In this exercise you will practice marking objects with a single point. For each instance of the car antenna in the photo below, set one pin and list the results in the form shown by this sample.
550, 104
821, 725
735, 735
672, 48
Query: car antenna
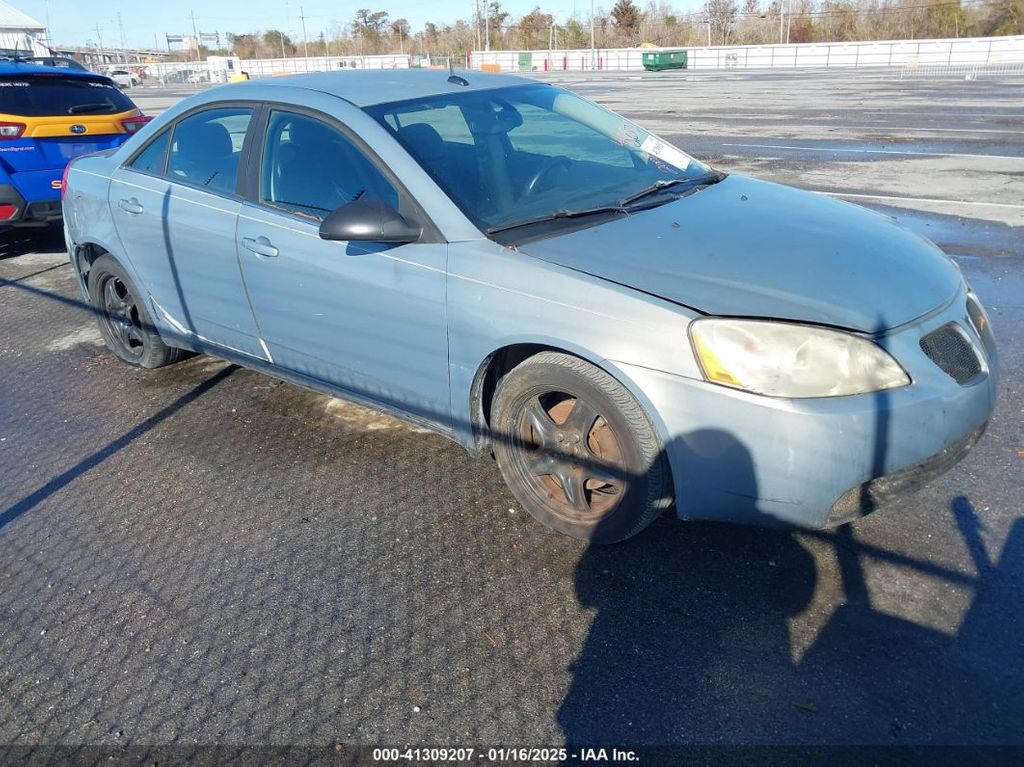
453, 78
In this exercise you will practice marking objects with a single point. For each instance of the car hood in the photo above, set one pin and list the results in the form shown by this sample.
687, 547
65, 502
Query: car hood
751, 248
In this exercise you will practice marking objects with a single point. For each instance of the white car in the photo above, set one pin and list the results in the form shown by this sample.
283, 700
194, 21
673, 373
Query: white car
123, 78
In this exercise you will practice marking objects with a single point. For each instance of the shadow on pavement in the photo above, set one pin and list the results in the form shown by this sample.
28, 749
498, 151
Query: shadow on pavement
690, 643
94, 459
19, 241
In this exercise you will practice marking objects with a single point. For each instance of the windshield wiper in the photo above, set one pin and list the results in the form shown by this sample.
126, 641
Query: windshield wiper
557, 216
621, 207
80, 108
694, 183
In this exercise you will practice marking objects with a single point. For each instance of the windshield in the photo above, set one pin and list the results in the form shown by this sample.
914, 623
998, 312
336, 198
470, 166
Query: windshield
45, 95
515, 155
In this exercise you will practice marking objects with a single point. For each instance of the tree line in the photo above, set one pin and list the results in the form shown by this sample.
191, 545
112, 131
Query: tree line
722, 22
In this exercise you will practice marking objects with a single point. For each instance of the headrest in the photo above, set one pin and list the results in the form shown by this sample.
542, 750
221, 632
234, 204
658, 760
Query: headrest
310, 134
203, 140
422, 140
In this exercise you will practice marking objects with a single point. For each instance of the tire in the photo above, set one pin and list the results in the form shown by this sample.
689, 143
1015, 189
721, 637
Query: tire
595, 473
123, 318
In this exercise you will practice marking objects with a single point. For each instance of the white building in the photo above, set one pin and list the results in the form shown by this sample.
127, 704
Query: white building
20, 33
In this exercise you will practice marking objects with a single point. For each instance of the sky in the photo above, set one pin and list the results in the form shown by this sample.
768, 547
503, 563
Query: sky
74, 22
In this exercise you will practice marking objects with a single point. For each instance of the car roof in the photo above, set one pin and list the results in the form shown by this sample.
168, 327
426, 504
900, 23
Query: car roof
366, 88
19, 68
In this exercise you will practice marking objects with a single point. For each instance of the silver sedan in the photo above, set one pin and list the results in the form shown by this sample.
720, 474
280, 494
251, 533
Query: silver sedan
536, 277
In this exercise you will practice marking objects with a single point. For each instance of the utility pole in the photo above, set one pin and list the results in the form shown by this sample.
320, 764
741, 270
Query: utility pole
305, 45
708, 22
487, 26
49, 34
476, 23
195, 35
120, 26
782, 19
99, 38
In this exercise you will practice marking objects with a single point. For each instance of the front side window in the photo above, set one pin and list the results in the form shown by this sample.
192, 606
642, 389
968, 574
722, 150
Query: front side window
153, 158
206, 148
310, 168
511, 156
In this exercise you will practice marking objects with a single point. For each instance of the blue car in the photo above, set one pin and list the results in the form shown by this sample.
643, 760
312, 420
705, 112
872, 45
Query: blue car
48, 116
623, 327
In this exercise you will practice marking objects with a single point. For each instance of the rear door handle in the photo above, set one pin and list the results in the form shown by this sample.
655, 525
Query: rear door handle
261, 246
130, 206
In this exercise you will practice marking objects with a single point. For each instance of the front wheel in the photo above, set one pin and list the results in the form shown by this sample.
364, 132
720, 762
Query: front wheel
124, 322
577, 450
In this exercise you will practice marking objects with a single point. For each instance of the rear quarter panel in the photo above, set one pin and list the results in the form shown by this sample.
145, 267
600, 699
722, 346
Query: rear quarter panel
87, 219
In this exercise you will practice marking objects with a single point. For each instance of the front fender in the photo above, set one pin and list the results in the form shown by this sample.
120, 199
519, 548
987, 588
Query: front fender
498, 298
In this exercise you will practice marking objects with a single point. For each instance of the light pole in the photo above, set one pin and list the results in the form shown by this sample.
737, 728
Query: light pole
593, 48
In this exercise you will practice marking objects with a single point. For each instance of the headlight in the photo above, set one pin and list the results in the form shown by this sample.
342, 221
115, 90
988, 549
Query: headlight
788, 360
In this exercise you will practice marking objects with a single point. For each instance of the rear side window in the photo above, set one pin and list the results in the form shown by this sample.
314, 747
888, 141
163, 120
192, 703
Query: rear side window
207, 147
153, 158
47, 95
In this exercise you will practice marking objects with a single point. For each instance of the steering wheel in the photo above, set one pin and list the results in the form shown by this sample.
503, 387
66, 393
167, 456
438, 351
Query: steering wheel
547, 168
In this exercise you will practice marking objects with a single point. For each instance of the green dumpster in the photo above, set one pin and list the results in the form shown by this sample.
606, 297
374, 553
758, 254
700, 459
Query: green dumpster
655, 61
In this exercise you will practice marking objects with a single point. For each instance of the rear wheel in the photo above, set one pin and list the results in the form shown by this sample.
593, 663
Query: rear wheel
123, 319
577, 450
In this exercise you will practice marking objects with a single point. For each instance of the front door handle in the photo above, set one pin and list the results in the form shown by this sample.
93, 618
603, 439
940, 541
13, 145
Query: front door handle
261, 246
130, 206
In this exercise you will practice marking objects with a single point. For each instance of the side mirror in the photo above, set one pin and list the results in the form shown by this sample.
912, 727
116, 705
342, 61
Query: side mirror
368, 221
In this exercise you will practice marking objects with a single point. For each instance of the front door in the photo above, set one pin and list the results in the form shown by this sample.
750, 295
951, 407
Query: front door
366, 317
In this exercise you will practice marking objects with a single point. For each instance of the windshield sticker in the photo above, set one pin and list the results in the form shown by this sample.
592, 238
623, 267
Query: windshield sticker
658, 148
628, 135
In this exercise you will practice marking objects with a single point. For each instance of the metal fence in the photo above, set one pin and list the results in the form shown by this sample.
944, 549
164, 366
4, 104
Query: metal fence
888, 53
279, 67
216, 70
960, 71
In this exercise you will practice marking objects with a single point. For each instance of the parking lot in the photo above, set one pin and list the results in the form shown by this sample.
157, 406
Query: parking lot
202, 554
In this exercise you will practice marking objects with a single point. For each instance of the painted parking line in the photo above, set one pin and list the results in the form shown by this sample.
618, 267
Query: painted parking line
971, 203
893, 130
878, 151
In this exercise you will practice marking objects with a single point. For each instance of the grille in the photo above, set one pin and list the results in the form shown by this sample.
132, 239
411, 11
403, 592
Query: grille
949, 348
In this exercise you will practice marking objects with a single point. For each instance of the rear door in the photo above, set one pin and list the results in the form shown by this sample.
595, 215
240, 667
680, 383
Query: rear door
175, 207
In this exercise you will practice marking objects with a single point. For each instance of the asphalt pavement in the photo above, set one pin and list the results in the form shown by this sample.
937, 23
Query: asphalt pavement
202, 554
